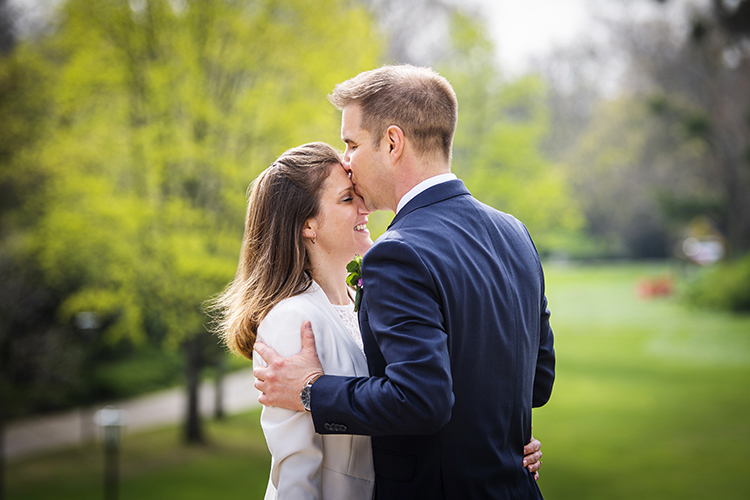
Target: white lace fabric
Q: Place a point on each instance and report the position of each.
(349, 318)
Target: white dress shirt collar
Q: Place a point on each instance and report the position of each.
(423, 186)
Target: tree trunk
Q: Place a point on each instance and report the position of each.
(2, 454)
(219, 388)
(193, 424)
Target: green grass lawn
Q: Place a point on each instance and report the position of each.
(651, 399)
(651, 402)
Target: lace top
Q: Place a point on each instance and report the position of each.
(349, 318)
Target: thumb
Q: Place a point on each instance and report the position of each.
(308, 337)
(267, 354)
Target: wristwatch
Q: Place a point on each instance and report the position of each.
(305, 394)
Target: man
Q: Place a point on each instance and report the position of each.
(453, 318)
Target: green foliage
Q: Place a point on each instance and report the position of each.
(724, 286)
(165, 112)
(130, 133)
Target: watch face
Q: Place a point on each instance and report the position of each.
(305, 396)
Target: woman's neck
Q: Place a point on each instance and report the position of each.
(332, 279)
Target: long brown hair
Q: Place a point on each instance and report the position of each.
(273, 258)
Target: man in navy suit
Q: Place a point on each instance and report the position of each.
(454, 316)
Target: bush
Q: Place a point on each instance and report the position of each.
(725, 286)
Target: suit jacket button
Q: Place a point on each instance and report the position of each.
(343, 428)
(327, 427)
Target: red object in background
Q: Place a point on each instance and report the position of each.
(648, 288)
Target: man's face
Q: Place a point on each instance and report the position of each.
(368, 167)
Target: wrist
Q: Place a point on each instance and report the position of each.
(307, 391)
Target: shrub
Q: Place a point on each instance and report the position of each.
(725, 286)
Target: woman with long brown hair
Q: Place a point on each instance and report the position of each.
(304, 224)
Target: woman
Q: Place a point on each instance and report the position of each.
(304, 224)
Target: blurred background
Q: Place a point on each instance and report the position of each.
(617, 130)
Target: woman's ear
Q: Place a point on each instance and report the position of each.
(309, 229)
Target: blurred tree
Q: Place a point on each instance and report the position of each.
(624, 164)
(33, 374)
(694, 85)
(575, 79)
(668, 143)
(417, 32)
(7, 28)
(164, 111)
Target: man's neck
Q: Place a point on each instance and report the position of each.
(423, 186)
(415, 172)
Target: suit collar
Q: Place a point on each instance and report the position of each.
(435, 194)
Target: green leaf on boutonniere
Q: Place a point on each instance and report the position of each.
(354, 279)
(357, 299)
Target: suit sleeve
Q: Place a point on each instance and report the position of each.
(402, 309)
(296, 450)
(544, 376)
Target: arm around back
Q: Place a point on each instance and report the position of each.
(411, 390)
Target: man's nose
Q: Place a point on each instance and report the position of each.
(362, 208)
(346, 169)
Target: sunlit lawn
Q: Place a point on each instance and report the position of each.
(651, 402)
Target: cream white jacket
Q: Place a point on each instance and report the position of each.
(306, 465)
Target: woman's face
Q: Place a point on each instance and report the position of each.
(341, 224)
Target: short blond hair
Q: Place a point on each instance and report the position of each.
(418, 100)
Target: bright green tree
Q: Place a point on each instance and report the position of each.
(165, 111)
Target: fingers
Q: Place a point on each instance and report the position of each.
(532, 459)
(533, 446)
(535, 464)
(263, 399)
(532, 456)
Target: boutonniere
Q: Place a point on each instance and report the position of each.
(354, 279)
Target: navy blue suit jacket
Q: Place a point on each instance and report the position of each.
(458, 342)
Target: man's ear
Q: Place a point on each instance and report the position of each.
(394, 138)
